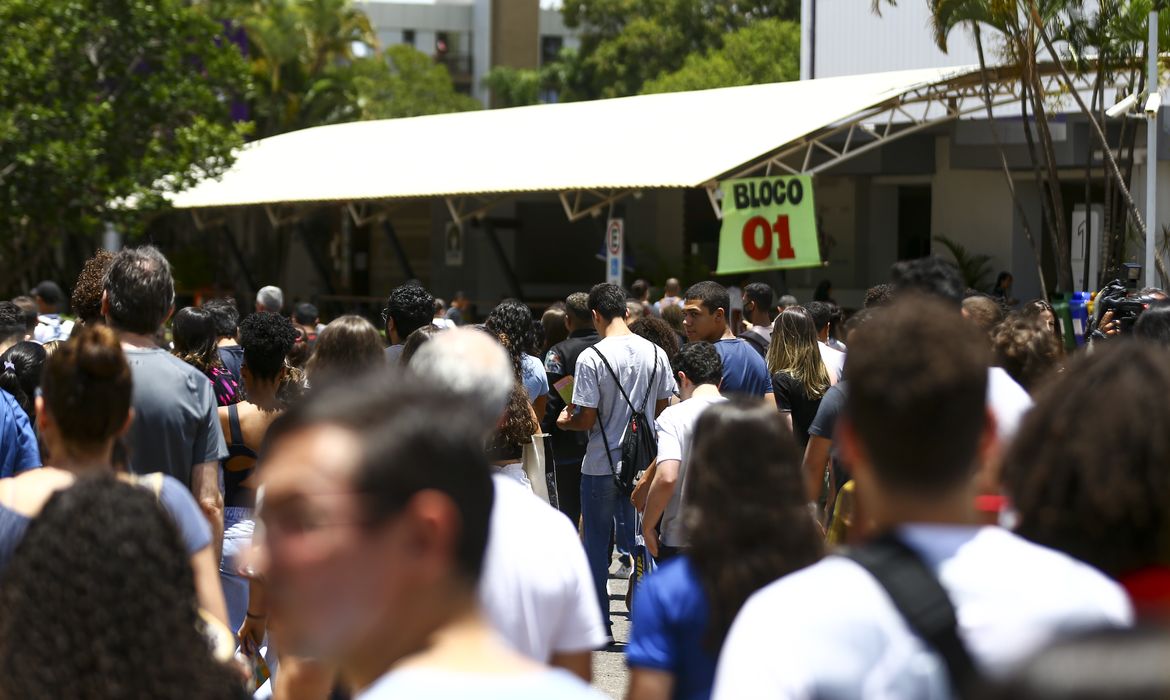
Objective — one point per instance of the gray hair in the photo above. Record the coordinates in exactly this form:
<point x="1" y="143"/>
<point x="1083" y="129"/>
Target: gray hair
<point x="471" y="364"/>
<point x="270" y="298"/>
<point x="140" y="289"/>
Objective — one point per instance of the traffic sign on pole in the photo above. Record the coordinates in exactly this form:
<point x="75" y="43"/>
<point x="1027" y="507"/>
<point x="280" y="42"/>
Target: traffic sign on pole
<point x="614" y="248"/>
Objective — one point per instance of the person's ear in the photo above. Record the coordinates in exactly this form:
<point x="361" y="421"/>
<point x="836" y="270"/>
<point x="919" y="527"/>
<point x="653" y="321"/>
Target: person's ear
<point x="853" y="451"/>
<point x="42" y="414"/>
<point x="129" y="420"/>
<point x="105" y="304"/>
<point x="720" y="314"/>
<point x="989" y="446"/>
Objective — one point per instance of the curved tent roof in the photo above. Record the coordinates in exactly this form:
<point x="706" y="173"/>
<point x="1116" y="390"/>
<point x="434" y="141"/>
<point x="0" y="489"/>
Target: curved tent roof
<point x="674" y="140"/>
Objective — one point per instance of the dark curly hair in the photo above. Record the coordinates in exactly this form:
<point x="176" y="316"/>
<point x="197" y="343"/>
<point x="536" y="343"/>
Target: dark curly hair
<point x="267" y="338"/>
<point x="878" y="295"/>
<point x="511" y="323"/>
<point x="11" y="322"/>
<point x="86" y="301"/>
<point x="1096" y="486"/>
<point x="411" y="307"/>
<point x="27" y="360"/>
<point x="99" y="602"/>
<point x="1025" y="349"/>
<point x="658" y="332"/>
<point x="700" y="362"/>
<point x="747" y="515"/>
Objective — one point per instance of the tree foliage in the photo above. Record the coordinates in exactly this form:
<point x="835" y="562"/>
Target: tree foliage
<point x="318" y="62"/>
<point x="104" y="100"/>
<point x="514" y="87"/>
<point x="627" y="43"/>
<point x="767" y="51"/>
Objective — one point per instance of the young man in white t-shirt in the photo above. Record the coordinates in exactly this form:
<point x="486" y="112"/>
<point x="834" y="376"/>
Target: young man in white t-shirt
<point x="661" y="493"/>
<point x="376" y="526"/>
<point x="915" y="427"/>
<point x="643" y="372"/>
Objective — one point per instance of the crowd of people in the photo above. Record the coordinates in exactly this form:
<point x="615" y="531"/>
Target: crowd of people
<point x="935" y="496"/>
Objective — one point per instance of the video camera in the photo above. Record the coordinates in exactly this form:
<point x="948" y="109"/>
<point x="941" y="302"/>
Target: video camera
<point x="1116" y="297"/>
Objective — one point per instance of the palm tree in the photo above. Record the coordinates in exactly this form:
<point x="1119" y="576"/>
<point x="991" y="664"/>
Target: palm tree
<point x="1116" y="30"/>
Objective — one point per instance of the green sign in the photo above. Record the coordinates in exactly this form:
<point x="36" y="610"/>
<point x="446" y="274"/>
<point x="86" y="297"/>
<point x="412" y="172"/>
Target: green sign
<point x="769" y="223"/>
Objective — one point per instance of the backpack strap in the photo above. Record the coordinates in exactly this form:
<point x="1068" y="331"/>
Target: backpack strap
<point x="601" y="421"/>
<point x="923" y="603"/>
<point x="617" y="381"/>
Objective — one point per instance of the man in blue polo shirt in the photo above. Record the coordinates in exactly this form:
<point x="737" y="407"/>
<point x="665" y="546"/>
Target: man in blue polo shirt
<point x="705" y="312"/>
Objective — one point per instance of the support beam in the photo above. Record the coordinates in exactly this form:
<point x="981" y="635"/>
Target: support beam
<point x="399" y="251"/>
<point x="316" y="258"/>
<point x="238" y="256"/>
<point x="502" y="258"/>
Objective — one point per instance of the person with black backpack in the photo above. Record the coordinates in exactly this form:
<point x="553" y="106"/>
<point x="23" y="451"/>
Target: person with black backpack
<point x="933" y="605"/>
<point x="621" y="384"/>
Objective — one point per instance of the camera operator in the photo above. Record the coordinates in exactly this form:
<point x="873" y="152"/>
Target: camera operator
<point x="1118" y="310"/>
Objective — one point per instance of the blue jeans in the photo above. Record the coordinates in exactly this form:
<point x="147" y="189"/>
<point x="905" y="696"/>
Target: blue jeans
<point x="602" y="508"/>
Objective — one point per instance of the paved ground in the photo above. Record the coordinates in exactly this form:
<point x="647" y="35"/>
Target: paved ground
<point x="609" y="666"/>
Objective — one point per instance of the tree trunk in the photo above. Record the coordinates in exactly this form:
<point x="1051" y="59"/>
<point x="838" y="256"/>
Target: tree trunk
<point x="1034" y="157"/>
<point x="1057" y="233"/>
<point x="1007" y="174"/>
<point x="1098" y="93"/>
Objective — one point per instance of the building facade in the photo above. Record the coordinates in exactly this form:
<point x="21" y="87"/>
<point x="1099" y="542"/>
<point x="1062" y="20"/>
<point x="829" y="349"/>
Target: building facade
<point x="948" y="180"/>
<point x="470" y="37"/>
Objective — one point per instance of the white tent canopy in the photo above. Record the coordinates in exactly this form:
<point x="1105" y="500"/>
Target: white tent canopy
<point x="676" y="140"/>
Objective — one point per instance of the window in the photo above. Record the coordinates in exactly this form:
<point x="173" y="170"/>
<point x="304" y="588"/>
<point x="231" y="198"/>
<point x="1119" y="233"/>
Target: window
<point x="408" y="37"/>
<point x="550" y="48"/>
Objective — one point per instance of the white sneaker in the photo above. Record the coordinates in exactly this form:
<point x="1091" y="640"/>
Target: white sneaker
<point x="624" y="571"/>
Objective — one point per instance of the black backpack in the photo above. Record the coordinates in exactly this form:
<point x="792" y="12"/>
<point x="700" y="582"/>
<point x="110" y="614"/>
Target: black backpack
<point x="639" y="443"/>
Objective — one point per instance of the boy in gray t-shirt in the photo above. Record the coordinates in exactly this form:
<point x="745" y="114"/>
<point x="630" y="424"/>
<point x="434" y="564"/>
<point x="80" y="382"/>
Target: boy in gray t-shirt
<point x="643" y="371"/>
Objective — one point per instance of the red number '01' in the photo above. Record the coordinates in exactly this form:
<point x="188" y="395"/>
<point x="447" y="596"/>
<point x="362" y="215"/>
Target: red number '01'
<point x="757" y="249"/>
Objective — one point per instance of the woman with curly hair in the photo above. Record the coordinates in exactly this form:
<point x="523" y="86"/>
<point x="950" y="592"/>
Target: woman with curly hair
<point x="799" y="376"/>
<point x="99" y="603"/>
<point x="1042" y="311"/>
<point x="194" y="333"/>
<point x="511" y="323"/>
<point x="266" y="339"/>
<point x="658" y="332"/>
<point x="86" y="300"/>
<point x="348" y="346"/>
<point x="749" y="523"/>
<point x="83" y="410"/>
<point x="1026" y="348"/>
<point x="1087" y="473"/>
<point x="505" y="447"/>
